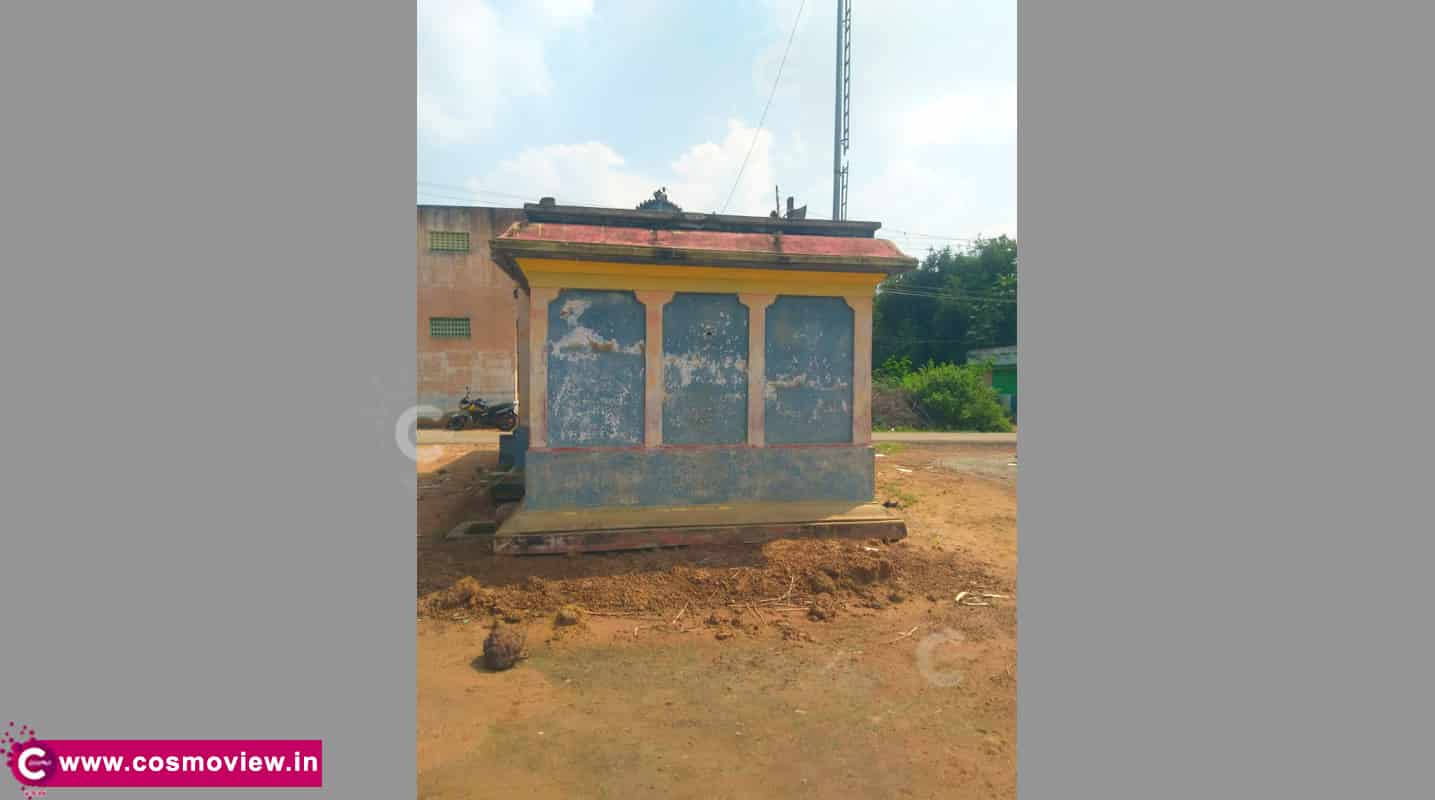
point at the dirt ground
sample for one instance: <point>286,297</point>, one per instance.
<point>792,669</point>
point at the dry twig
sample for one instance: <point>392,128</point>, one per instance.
<point>790,585</point>
<point>900,637</point>
<point>617,614</point>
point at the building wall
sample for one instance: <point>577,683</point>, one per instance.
<point>1002,376</point>
<point>681,476</point>
<point>602,446</point>
<point>596,369</point>
<point>466,285</point>
<point>1004,380</point>
<point>809,371</point>
<point>704,369</point>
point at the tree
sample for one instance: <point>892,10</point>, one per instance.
<point>954,301</point>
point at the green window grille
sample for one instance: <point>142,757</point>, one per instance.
<point>448,327</point>
<point>448,241</point>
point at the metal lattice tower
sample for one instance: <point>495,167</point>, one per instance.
<point>846,97</point>
<point>841,118</point>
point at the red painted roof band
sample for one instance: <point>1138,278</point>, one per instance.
<point>790,244</point>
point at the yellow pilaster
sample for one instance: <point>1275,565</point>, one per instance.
<point>756,365</point>
<point>538,299</point>
<point>653,303</point>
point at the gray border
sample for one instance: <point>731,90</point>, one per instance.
<point>208,321</point>
<point>1221,594</point>
<point>217,207</point>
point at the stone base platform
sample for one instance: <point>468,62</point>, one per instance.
<point>640,528</point>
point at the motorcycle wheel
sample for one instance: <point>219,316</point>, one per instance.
<point>508,421</point>
<point>458,422</point>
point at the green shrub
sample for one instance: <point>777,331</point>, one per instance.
<point>956,397</point>
<point>892,371</point>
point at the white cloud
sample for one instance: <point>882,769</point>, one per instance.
<point>564,12</point>
<point>794,156</point>
<point>593,173</point>
<point>433,119</point>
<point>974,116</point>
<point>473,60</point>
<point>704,175</point>
<point>915,197</point>
<point>919,199</point>
<point>587,173</point>
<point>929,198</point>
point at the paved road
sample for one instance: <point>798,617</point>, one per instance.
<point>490,437</point>
<point>946,438</point>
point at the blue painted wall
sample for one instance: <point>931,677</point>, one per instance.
<point>704,369</point>
<point>698,475</point>
<point>809,371</point>
<point>512,447</point>
<point>595,369</point>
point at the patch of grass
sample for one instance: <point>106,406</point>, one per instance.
<point>888,448</point>
<point>890,492</point>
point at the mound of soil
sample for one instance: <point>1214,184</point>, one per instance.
<point>503,647</point>
<point>788,572</point>
<point>821,583</point>
<point>823,609</point>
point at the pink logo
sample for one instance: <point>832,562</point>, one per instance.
<point>160,763</point>
<point>30,760</point>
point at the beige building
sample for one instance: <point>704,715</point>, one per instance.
<point>467,307</point>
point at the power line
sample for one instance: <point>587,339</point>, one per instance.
<point>900,283</point>
<point>964,297</point>
<point>942,291</point>
<point>441,190</point>
<point>456,197</point>
<point>915,235</point>
<point>953,298</point>
<point>449,190</point>
<point>972,300</point>
<point>455,193</point>
<point>763,119</point>
<point>469,190</point>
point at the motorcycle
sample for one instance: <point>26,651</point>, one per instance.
<point>474,413</point>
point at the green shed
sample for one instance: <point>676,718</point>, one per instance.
<point>1003,375</point>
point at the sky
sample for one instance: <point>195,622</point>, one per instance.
<point>599,102</point>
